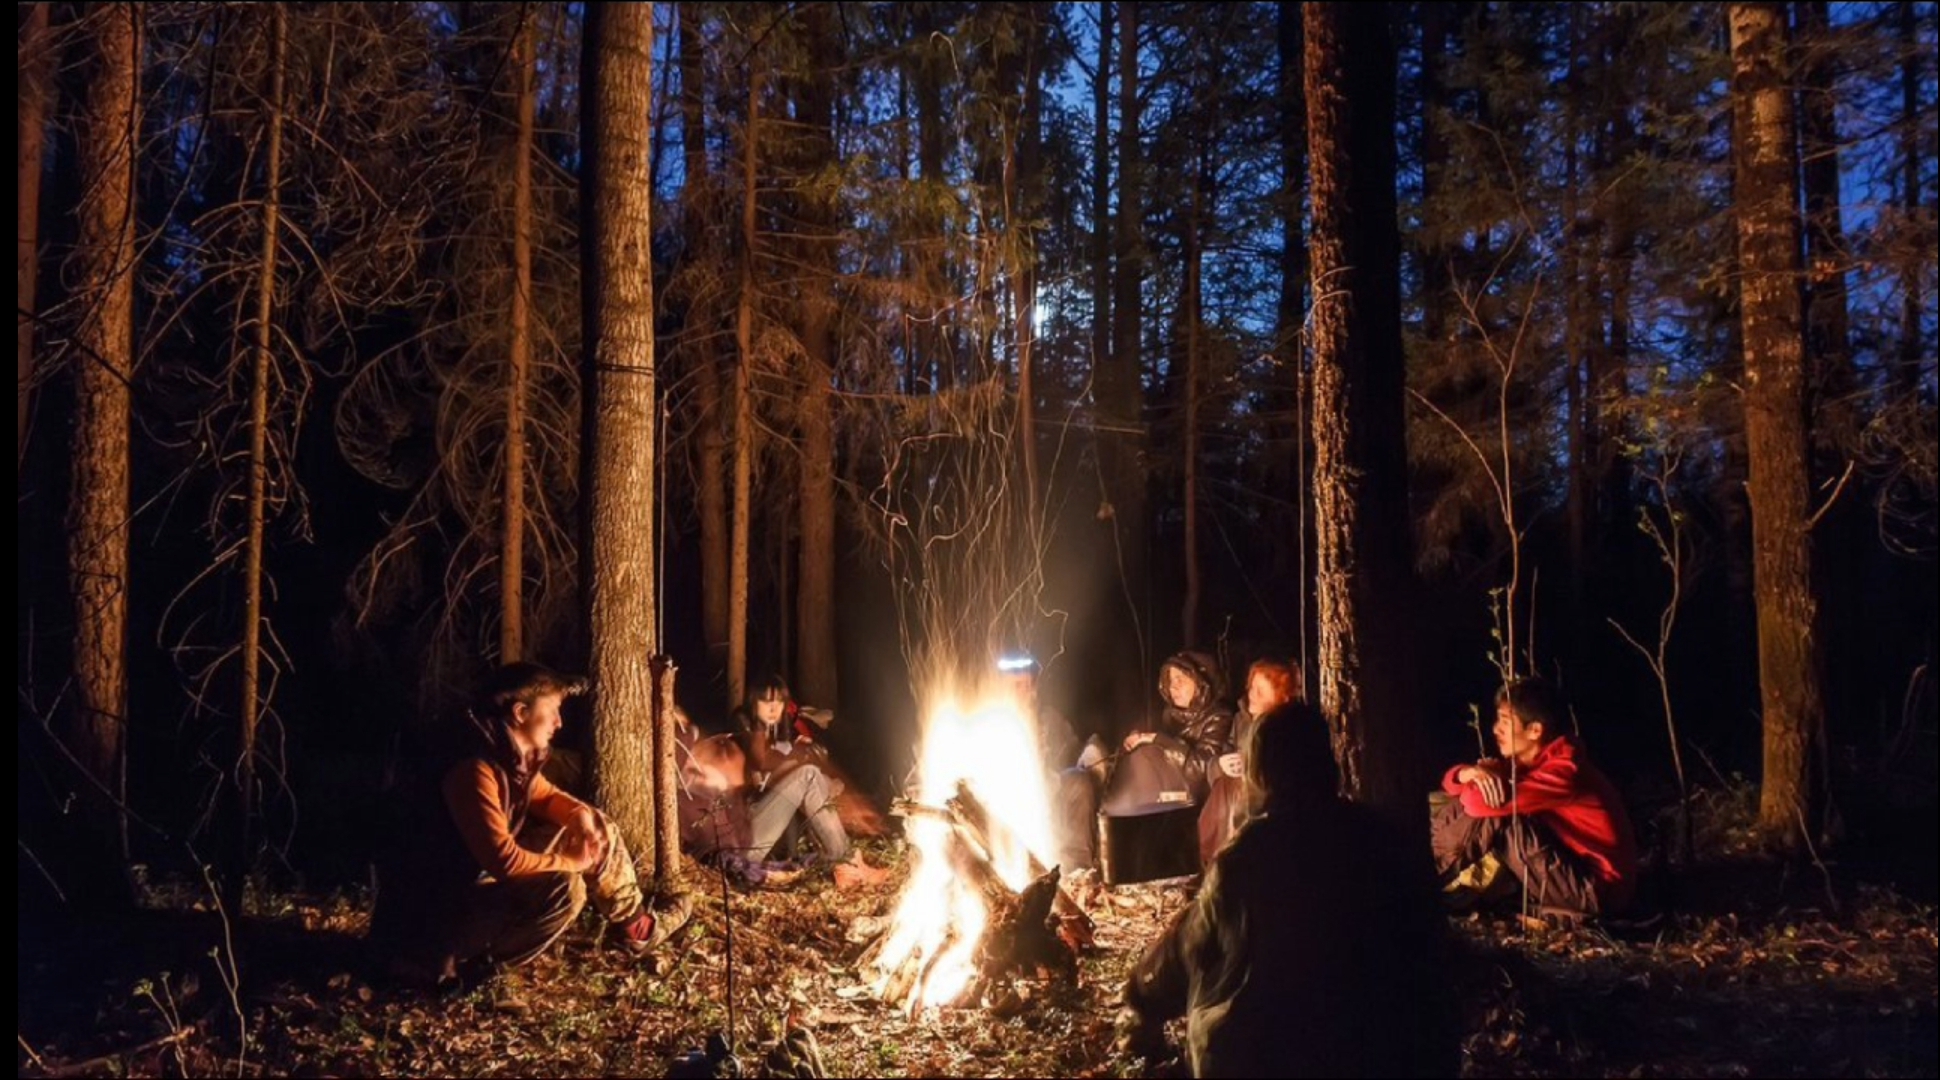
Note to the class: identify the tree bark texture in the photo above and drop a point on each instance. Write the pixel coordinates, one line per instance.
(743, 409)
(102, 267)
(1360, 459)
(35, 82)
(620, 374)
(815, 660)
(262, 372)
(511, 581)
(712, 471)
(1765, 160)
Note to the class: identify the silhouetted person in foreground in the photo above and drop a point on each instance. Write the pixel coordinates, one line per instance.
(1314, 947)
(465, 880)
(1549, 816)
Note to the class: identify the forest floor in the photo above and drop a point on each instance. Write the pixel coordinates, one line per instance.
(1756, 972)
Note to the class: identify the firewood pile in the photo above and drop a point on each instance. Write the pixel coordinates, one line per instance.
(1032, 933)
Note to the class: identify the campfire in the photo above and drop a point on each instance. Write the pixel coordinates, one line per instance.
(981, 908)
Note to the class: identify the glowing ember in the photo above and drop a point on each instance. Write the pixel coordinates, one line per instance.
(929, 955)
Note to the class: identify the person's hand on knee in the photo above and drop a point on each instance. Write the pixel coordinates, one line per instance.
(583, 851)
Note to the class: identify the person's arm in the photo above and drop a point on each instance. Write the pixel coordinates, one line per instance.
(549, 803)
(756, 746)
(1204, 742)
(1533, 792)
(471, 797)
(1160, 986)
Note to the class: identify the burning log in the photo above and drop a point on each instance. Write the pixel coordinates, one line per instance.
(970, 858)
(970, 813)
(1025, 939)
(1021, 936)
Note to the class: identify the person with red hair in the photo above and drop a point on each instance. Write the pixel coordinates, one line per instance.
(1269, 685)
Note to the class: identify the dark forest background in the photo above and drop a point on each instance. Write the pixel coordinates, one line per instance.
(996, 321)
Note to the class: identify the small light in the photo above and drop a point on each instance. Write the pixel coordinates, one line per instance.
(1017, 662)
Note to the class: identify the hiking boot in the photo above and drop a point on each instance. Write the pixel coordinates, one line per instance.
(651, 928)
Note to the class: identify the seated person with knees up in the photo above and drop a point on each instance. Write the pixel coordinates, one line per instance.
(1269, 685)
(1550, 817)
(468, 879)
(1313, 948)
(791, 779)
(1156, 771)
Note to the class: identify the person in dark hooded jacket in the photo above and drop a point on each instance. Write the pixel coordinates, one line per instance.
(1173, 763)
(1314, 946)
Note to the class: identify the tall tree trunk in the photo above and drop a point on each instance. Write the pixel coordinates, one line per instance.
(33, 97)
(934, 355)
(743, 407)
(1919, 256)
(1841, 537)
(1831, 380)
(905, 264)
(1289, 434)
(511, 580)
(815, 660)
(619, 372)
(102, 268)
(1101, 322)
(262, 371)
(1021, 180)
(1360, 467)
(1120, 382)
(1580, 498)
(1438, 20)
(712, 478)
(1765, 157)
(1609, 368)
(1195, 382)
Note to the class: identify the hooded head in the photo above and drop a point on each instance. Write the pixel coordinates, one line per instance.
(1189, 681)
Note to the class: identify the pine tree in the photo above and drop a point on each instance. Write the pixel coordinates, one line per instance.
(1766, 194)
(619, 376)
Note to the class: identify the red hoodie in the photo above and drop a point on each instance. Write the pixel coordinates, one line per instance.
(1573, 800)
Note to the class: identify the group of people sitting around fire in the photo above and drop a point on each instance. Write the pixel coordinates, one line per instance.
(1313, 925)
(494, 859)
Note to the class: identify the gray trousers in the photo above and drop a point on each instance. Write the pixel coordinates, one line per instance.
(804, 790)
(1556, 879)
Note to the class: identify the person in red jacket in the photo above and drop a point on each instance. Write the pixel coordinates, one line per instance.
(1542, 809)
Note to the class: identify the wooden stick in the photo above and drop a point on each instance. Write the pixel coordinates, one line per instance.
(971, 810)
(78, 1068)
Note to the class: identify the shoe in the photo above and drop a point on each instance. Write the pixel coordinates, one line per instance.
(856, 873)
(509, 999)
(1480, 884)
(655, 924)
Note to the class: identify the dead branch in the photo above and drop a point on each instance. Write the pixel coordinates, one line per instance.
(82, 1068)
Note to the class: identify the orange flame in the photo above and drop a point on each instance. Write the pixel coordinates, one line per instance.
(991, 746)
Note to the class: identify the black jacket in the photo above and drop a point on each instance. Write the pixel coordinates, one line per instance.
(1194, 737)
(1312, 949)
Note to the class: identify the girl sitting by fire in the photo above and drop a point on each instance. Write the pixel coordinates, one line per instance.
(794, 784)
